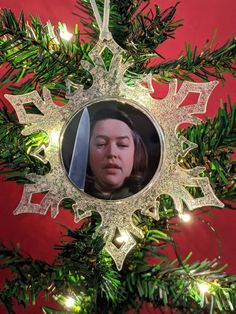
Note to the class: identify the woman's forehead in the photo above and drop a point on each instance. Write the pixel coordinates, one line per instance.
(112, 127)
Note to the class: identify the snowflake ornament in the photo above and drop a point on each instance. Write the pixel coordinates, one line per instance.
(165, 115)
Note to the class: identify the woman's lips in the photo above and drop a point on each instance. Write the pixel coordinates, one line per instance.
(111, 166)
(112, 169)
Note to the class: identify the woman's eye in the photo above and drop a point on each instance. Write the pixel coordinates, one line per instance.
(122, 145)
(100, 145)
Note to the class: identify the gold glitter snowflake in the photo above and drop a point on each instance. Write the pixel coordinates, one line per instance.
(165, 114)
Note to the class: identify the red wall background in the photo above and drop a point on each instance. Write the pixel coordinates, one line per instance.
(37, 234)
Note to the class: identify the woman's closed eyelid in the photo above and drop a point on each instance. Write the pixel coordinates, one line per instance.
(122, 145)
(125, 143)
(100, 144)
(105, 143)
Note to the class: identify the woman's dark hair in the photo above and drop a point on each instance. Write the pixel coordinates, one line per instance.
(138, 176)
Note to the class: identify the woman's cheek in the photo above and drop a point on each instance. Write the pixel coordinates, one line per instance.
(98, 154)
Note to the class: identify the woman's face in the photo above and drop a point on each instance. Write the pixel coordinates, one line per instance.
(111, 153)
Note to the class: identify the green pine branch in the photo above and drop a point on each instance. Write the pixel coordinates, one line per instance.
(15, 161)
(82, 270)
(142, 31)
(206, 64)
(37, 55)
(216, 140)
(133, 25)
(34, 52)
(30, 277)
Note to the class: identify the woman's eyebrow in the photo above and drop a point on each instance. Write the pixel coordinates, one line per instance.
(101, 136)
(123, 137)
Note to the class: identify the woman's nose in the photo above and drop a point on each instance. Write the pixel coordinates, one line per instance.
(112, 151)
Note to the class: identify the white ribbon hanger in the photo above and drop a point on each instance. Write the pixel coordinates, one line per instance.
(103, 25)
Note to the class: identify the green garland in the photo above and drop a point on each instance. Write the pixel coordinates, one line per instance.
(82, 269)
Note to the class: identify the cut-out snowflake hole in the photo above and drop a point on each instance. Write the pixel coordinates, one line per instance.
(30, 108)
(118, 239)
(195, 191)
(107, 56)
(37, 198)
(39, 153)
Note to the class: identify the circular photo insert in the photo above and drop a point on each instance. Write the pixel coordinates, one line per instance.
(111, 150)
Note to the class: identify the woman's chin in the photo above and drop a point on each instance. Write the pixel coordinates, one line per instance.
(110, 186)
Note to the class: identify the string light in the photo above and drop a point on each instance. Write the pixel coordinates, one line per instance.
(69, 302)
(203, 287)
(64, 34)
(122, 238)
(185, 217)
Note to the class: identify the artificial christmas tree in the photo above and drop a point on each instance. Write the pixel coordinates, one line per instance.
(83, 270)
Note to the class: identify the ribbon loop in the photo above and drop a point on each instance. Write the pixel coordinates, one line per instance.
(103, 25)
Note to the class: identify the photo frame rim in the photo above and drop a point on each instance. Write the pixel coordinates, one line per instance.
(144, 111)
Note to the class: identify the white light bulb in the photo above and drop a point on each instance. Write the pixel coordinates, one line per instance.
(122, 238)
(64, 34)
(70, 302)
(185, 217)
(203, 287)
